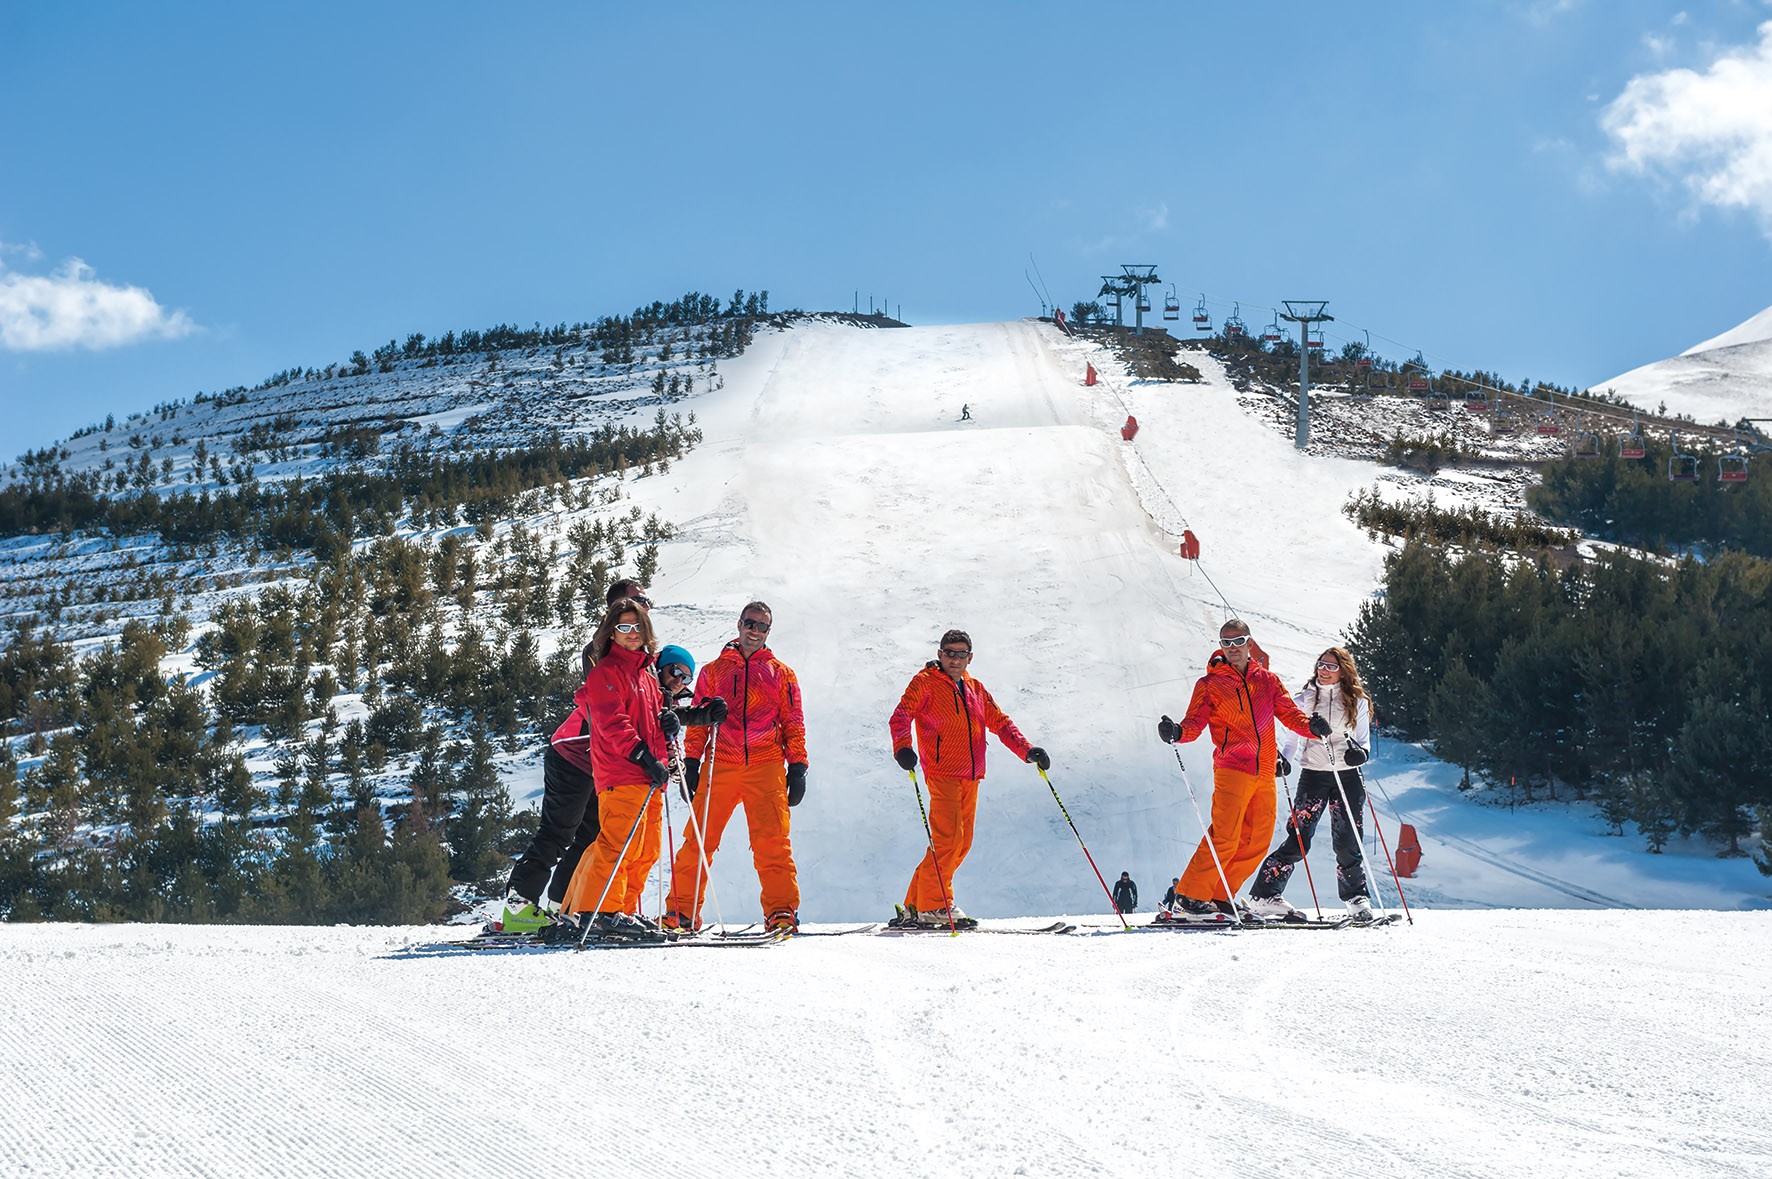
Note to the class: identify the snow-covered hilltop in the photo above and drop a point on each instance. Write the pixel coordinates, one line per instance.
(1721, 380)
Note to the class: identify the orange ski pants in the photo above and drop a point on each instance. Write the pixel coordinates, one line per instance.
(624, 874)
(1242, 824)
(762, 788)
(953, 803)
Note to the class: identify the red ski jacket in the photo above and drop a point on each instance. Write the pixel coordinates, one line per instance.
(951, 720)
(621, 699)
(1241, 710)
(764, 720)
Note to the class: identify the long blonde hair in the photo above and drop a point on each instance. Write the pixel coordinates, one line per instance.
(1352, 690)
(604, 637)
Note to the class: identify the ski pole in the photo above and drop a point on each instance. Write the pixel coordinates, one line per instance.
(620, 856)
(1086, 855)
(1378, 825)
(1353, 819)
(947, 897)
(704, 868)
(670, 840)
(1292, 821)
(1236, 917)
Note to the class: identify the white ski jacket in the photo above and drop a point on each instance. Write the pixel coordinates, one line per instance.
(1324, 700)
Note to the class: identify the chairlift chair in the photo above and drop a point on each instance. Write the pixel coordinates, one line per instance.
(1234, 325)
(1502, 422)
(1417, 383)
(1314, 343)
(1585, 445)
(1476, 402)
(1438, 402)
(1681, 467)
(1732, 468)
(1363, 362)
(1171, 305)
(1202, 321)
(1631, 445)
(1272, 333)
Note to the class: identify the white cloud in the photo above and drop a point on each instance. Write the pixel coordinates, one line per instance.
(71, 308)
(1710, 131)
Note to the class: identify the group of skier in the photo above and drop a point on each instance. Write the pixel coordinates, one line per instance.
(738, 738)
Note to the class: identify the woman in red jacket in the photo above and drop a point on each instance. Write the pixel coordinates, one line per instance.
(951, 712)
(621, 697)
(1240, 700)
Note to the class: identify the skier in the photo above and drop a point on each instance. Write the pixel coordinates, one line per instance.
(1169, 896)
(1125, 893)
(1335, 694)
(759, 761)
(628, 747)
(676, 671)
(966, 413)
(951, 712)
(568, 821)
(1239, 699)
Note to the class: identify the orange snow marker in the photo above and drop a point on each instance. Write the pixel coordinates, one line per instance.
(1408, 850)
(1130, 430)
(1089, 375)
(1190, 544)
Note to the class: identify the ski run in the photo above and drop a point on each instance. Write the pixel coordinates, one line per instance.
(1526, 1023)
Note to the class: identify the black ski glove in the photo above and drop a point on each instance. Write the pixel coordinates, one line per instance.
(1354, 756)
(796, 782)
(906, 758)
(1037, 756)
(642, 757)
(669, 724)
(707, 714)
(1169, 731)
(1283, 767)
(1319, 727)
(691, 774)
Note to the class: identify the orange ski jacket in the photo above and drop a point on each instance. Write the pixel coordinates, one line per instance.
(1241, 710)
(951, 720)
(764, 718)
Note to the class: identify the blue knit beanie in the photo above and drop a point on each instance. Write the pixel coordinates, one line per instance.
(676, 654)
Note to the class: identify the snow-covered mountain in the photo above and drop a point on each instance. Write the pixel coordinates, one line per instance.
(1723, 379)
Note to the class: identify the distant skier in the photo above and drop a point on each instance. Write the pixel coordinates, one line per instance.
(568, 822)
(621, 697)
(1240, 700)
(951, 712)
(1336, 695)
(759, 761)
(966, 413)
(1125, 893)
(1169, 895)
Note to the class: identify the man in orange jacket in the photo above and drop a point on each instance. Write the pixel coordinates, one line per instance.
(951, 712)
(1240, 699)
(759, 761)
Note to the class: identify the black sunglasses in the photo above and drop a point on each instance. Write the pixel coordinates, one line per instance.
(641, 600)
(761, 628)
(675, 671)
(953, 654)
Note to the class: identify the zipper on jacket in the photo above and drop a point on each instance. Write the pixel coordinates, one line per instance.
(747, 706)
(971, 745)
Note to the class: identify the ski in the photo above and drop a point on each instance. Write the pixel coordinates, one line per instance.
(868, 928)
(1387, 919)
(912, 930)
(1307, 923)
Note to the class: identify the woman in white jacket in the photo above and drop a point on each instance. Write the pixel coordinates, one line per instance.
(1335, 694)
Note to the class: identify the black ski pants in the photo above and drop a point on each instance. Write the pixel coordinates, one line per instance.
(568, 827)
(1317, 793)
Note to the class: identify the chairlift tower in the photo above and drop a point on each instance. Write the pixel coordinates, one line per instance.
(1305, 312)
(1137, 278)
(1113, 287)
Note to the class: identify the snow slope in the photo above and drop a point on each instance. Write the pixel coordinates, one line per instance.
(1722, 379)
(839, 484)
(1474, 1044)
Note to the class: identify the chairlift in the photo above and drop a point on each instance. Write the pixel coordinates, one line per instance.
(1631, 445)
(1314, 343)
(1375, 380)
(1475, 401)
(1418, 383)
(1364, 360)
(1681, 467)
(1732, 468)
(1234, 325)
(1502, 421)
(1171, 304)
(1202, 321)
(1547, 418)
(1272, 334)
(1585, 445)
(1438, 402)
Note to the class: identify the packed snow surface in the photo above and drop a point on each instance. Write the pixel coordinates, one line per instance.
(1483, 1044)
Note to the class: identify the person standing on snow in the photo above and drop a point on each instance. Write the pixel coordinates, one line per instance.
(1335, 694)
(1169, 896)
(628, 754)
(676, 671)
(1125, 893)
(951, 712)
(1239, 699)
(759, 761)
(568, 821)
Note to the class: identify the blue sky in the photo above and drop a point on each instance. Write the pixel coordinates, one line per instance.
(193, 196)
